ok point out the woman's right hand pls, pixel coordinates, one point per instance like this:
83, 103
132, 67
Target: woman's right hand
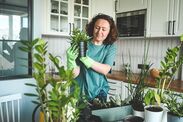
72, 54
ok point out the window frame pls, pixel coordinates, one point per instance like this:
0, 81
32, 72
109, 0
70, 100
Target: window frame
30, 37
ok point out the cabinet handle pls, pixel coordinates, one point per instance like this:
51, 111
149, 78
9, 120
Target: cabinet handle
169, 23
116, 5
70, 29
112, 82
73, 26
173, 32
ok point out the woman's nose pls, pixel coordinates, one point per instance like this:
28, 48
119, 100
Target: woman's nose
99, 30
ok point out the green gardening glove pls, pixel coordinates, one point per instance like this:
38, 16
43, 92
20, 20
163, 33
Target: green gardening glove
87, 61
181, 38
72, 54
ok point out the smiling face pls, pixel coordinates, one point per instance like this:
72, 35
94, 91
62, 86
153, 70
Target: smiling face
101, 31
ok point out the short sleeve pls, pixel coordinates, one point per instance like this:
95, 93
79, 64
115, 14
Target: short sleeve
111, 53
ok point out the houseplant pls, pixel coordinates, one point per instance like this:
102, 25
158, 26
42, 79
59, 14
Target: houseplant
80, 38
174, 104
112, 110
137, 90
53, 100
174, 101
169, 66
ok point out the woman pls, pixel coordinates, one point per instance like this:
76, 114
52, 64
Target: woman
100, 57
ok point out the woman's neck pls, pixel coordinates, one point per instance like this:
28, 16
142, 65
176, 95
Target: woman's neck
96, 42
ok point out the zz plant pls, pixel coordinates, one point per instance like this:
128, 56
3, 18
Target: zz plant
56, 103
169, 67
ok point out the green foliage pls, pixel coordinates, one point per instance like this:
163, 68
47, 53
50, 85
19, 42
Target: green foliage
78, 36
57, 103
152, 98
137, 90
175, 103
113, 102
169, 67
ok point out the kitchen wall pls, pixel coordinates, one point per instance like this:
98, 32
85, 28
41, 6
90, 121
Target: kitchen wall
134, 46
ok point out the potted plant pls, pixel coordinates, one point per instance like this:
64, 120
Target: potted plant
174, 104
80, 38
53, 100
169, 66
174, 100
153, 110
137, 90
113, 110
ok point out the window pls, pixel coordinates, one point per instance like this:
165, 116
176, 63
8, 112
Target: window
15, 26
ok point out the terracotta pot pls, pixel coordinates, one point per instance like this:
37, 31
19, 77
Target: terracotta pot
154, 73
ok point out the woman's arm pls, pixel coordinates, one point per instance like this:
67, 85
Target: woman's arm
76, 71
101, 68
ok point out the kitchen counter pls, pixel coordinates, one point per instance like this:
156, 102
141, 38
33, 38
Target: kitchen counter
176, 85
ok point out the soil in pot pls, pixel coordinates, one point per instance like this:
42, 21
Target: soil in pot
133, 119
155, 109
137, 106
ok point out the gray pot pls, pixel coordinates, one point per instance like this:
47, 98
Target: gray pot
113, 114
174, 118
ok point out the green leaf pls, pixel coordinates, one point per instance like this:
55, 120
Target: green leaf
39, 57
31, 94
30, 84
157, 97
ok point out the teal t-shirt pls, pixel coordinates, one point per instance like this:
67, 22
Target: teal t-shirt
90, 81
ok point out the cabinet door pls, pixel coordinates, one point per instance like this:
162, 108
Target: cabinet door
178, 17
164, 18
157, 18
103, 6
81, 13
115, 88
131, 5
64, 15
59, 16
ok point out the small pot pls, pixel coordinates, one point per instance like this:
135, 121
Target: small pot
138, 113
153, 113
154, 73
174, 118
82, 48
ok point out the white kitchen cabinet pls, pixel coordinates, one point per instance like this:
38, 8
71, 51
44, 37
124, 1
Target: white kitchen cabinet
103, 6
64, 15
115, 88
118, 88
164, 18
130, 5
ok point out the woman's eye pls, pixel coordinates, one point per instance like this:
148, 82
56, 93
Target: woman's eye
96, 27
103, 29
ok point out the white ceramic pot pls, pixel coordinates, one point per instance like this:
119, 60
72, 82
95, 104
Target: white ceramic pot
153, 116
138, 113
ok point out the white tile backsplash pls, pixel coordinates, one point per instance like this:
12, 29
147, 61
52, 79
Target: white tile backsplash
134, 46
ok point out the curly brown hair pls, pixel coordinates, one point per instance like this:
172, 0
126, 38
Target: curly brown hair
113, 34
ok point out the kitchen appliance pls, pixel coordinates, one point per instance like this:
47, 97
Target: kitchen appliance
131, 24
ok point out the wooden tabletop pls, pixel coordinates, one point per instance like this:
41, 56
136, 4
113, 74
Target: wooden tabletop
176, 85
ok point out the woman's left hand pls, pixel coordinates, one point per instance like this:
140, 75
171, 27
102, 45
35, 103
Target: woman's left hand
87, 61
